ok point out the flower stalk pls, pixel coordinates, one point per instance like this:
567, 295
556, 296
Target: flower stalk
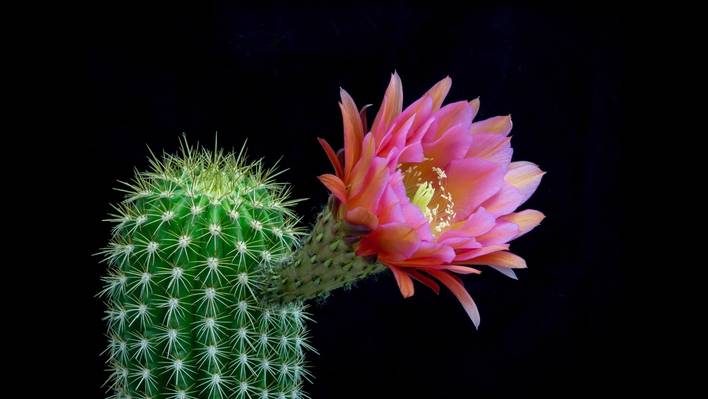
325, 262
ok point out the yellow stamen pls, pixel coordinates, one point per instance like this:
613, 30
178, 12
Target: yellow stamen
422, 197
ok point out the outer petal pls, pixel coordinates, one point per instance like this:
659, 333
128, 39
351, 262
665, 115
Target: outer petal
526, 220
427, 281
504, 201
499, 259
492, 147
439, 91
405, 284
390, 108
502, 233
458, 289
495, 125
369, 193
463, 257
525, 176
332, 156
394, 241
353, 132
362, 217
471, 181
335, 185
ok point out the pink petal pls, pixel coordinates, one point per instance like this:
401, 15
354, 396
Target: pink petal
502, 233
492, 147
495, 125
439, 91
451, 145
525, 177
428, 253
358, 176
504, 201
471, 181
376, 180
390, 107
459, 113
458, 289
526, 220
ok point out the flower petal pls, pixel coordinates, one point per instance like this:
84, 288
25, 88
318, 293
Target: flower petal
502, 233
390, 108
353, 132
504, 201
451, 145
525, 177
494, 125
439, 91
463, 257
332, 156
492, 147
458, 289
405, 284
393, 241
526, 220
425, 280
335, 185
471, 181
505, 271
361, 216
499, 259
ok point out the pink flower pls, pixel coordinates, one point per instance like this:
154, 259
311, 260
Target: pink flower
433, 192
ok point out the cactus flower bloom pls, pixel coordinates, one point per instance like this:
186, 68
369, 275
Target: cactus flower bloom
431, 193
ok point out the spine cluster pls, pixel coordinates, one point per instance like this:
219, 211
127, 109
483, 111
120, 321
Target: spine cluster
194, 244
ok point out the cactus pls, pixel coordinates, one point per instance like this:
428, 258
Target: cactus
194, 245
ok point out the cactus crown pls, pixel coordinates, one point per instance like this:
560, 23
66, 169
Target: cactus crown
193, 243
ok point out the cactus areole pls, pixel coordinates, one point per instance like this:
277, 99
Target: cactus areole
207, 275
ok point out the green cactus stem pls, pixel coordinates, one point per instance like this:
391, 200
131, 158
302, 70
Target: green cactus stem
194, 244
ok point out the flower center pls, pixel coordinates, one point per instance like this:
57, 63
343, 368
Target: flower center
425, 186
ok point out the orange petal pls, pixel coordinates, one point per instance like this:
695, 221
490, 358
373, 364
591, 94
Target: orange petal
333, 159
427, 281
335, 185
439, 92
499, 259
390, 107
353, 132
526, 220
361, 216
393, 241
458, 289
475, 106
525, 176
496, 125
405, 284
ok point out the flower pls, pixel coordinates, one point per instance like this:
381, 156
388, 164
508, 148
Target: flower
432, 192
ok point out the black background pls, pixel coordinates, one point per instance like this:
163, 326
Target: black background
271, 75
